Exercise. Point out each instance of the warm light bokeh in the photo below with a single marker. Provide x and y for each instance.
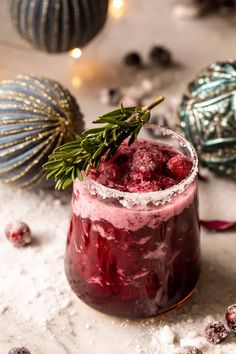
(117, 8)
(118, 4)
(75, 53)
(76, 82)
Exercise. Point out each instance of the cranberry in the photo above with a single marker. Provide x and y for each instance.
(142, 166)
(160, 56)
(133, 59)
(19, 350)
(167, 182)
(121, 159)
(179, 166)
(189, 350)
(108, 172)
(216, 332)
(230, 317)
(18, 233)
(146, 162)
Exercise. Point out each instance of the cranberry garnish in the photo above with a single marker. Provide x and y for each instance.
(18, 233)
(108, 174)
(121, 159)
(216, 332)
(179, 166)
(145, 163)
(189, 350)
(167, 182)
(143, 167)
(19, 350)
(144, 160)
(230, 317)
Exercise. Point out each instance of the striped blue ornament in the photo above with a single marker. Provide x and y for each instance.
(58, 25)
(36, 116)
(208, 117)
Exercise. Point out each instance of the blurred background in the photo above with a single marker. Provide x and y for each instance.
(132, 25)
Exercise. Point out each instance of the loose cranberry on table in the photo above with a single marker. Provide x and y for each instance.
(230, 318)
(19, 350)
(216, 332)
(189, 350)
(160, 56)
(133, 59)
(18, 233)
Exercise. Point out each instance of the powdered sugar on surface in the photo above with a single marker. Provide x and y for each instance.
(32, 281)
(39, 310)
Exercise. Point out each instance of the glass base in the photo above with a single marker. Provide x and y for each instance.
(180, 303)
(140, 313)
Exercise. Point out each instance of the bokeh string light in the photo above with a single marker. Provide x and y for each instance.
(75, 53)
(118, 4)
(117, 8)
(116, 11)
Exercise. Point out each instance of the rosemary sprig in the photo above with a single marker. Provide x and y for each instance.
(68, 161)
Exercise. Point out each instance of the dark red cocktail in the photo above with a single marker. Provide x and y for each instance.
(133, 246)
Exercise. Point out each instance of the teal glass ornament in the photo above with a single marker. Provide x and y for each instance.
(56, 26)
(208, 117)
(36, 116)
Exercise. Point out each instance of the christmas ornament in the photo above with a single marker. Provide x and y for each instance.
(36, 115)
(208, 117)
(59, 26)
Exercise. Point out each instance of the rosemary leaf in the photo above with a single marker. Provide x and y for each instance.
(70, 160)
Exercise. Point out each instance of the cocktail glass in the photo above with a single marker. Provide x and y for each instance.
(135, 254)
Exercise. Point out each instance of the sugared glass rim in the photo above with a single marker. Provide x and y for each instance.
(128, 199)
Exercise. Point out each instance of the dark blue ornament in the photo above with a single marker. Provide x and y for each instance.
(208, 117)
(59, 25)
(36, 116)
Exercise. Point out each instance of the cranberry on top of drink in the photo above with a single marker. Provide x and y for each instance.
(143, 167)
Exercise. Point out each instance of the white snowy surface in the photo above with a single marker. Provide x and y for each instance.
(37, 307)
